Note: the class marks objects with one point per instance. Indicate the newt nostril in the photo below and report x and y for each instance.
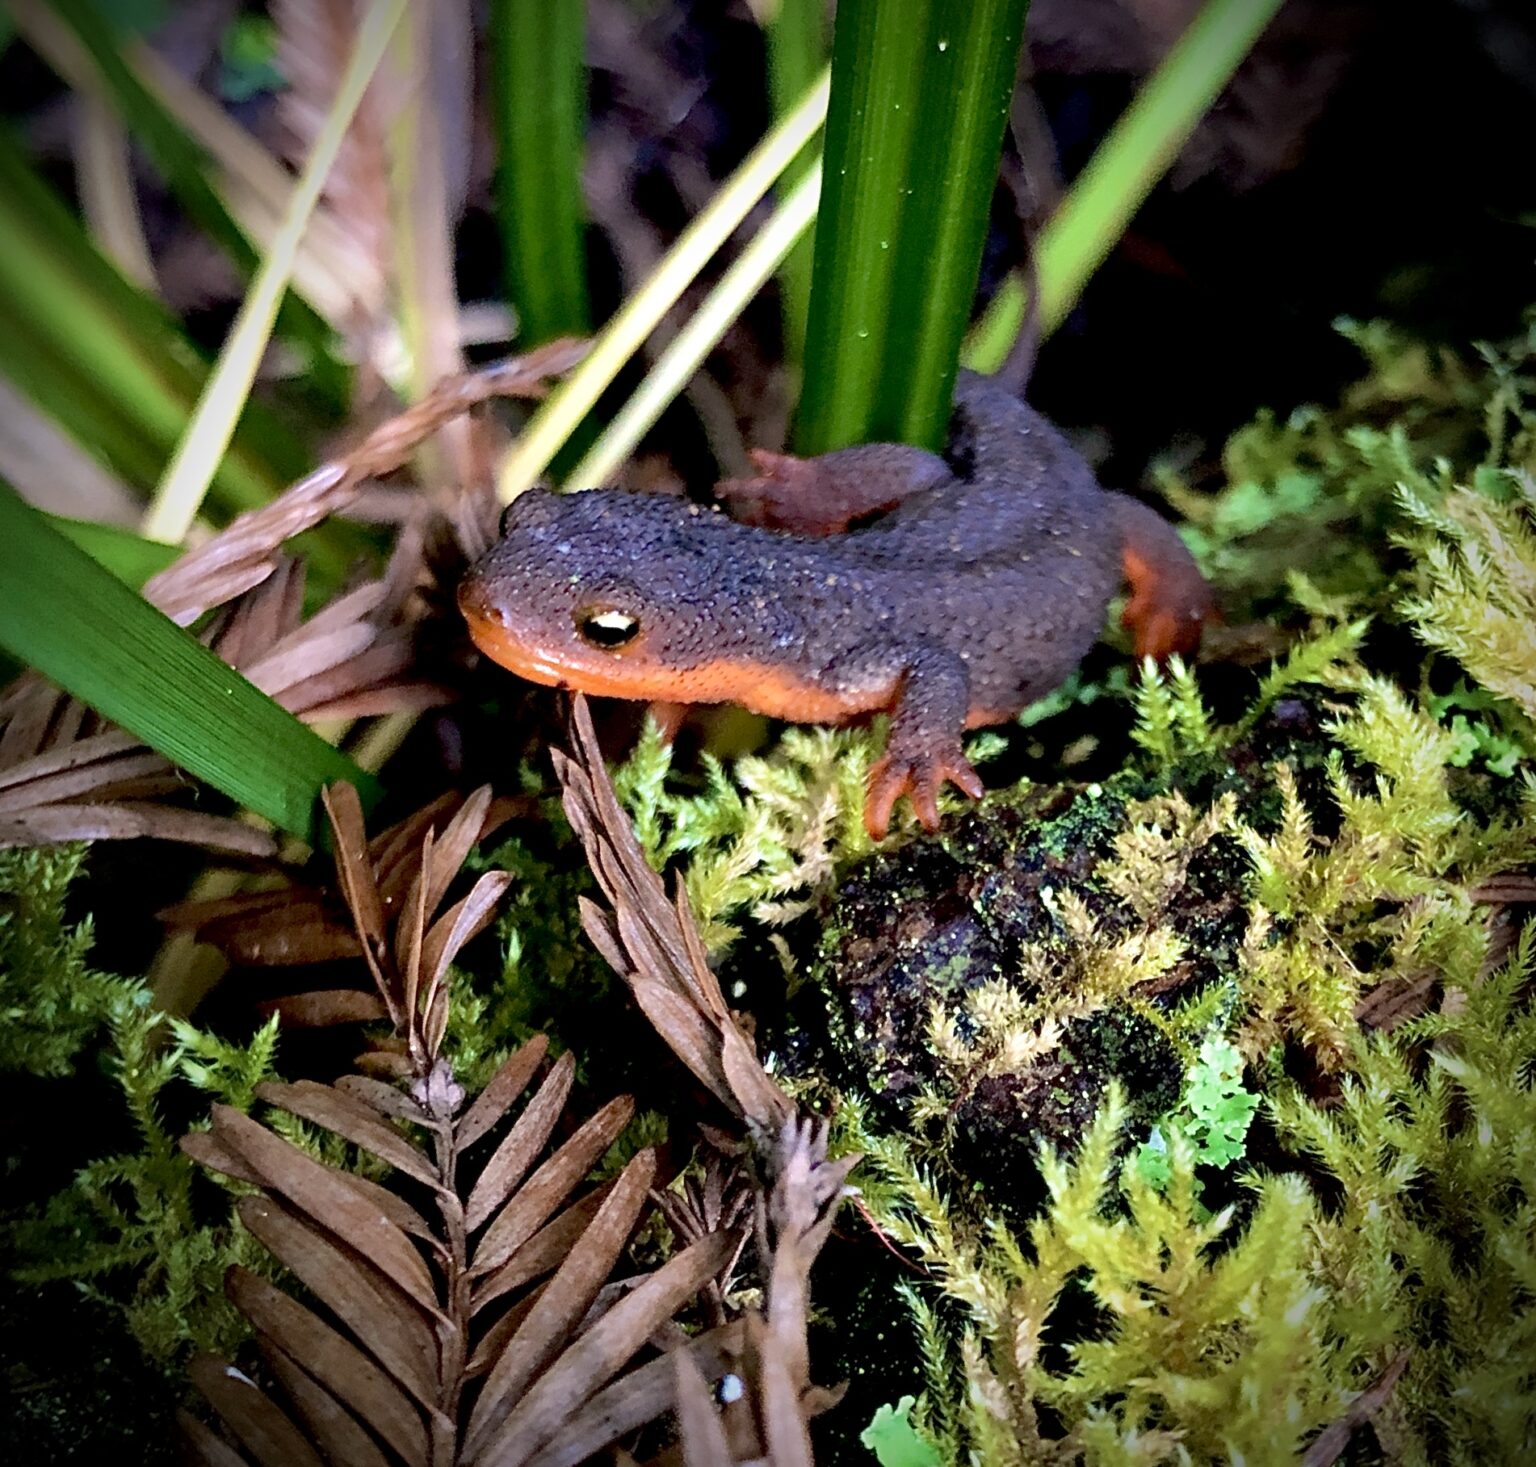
(476, 602)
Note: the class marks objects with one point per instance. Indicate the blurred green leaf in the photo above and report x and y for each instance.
(185, 168)
(1124, 170)
(133, 17)
(894, 1440)
(227, 391)
(115, 369)
(797, 54)
(131, 558)
(248, 59)
(539, 72)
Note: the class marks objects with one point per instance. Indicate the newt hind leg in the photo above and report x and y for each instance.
(1170, 602)
(832, 493)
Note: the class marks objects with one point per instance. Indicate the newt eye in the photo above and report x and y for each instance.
(606, 627)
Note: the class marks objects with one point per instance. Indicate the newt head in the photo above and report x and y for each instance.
(616, 594)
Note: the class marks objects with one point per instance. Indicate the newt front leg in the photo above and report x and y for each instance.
(923, 750)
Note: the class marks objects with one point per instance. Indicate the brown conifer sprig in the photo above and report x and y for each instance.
(653, 942)
(470, 1331)
(298, 924)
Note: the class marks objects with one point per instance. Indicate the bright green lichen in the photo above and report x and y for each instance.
(1212, 1117)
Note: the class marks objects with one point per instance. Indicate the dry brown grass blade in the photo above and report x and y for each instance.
(282, 935)
(69, 773)
(203, 1446)
(317, 1192)
(65, 776)
(799, 1214)
(461, 923)
(383, 1099)
(134, 821)
(332, 1428)
(409, 931)
(781, 1416)
(268, 1435)
(510, 1162)
(1509, 886)
(564, 1301)
(454, 843)
(542, 1253)
(361, 1299)
(505, 1086)
(542, 1194)
(495, 1339)
(314, 40)
(652, 942)
(354, 873)
(768, 1426)
(1330, 1445)
(207, 1150)
(323, 1008)
(350, 1373)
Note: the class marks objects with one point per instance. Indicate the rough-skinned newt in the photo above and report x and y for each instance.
(948, 591)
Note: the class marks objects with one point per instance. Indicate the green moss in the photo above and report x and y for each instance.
(51, 1000)
(1247, 887)
(138, 1231)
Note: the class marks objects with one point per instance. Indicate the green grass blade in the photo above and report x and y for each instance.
(540, 86)
(1129, 162)
(797, 55)
(112, 367)
(83, 629)
(685, 353)
(208, 435)
(131, 558)
(552, 426)
(920, 94)
(185, 168)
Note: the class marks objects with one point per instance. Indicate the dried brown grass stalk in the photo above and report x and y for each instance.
(314, 40)
(67, 775)
(767, 1421)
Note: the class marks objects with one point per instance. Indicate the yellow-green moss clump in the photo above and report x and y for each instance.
(1203, 1090)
